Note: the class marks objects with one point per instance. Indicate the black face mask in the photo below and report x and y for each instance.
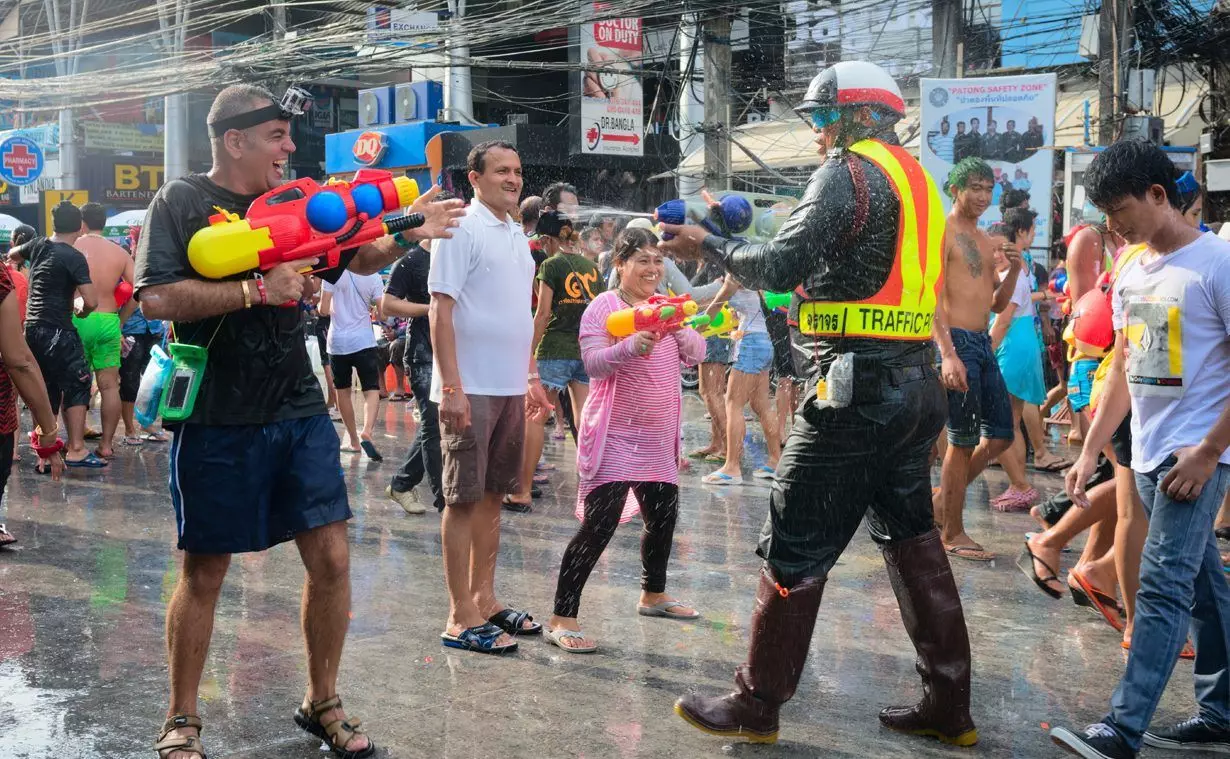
(851, 130)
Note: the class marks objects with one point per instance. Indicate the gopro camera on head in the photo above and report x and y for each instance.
(295, 102)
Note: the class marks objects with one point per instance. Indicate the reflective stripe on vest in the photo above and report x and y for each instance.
(905, 305)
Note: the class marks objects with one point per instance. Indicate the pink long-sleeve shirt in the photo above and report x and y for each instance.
(631, 421)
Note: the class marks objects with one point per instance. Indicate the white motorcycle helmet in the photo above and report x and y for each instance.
(851, 84)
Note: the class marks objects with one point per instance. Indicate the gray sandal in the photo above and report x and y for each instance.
(558, 635)
(663, 609)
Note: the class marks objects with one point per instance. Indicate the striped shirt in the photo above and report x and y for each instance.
(631, 422)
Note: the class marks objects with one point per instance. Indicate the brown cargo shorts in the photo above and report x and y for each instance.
(486, 456)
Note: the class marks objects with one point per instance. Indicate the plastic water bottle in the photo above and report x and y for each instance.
(836, 390)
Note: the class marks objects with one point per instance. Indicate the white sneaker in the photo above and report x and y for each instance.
(409, 500)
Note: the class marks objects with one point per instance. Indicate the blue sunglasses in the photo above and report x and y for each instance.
(822, 117)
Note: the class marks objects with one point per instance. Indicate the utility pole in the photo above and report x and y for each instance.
(66, 22)
(946, 37)
(1114, 38)
(716, 31)
(458, 95)
(172, 27)
(691, 107)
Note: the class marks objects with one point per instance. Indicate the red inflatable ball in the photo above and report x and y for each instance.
(123, 293)
(1093, 330)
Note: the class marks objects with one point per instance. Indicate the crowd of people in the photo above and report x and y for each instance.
(87, 337)
(497, 318)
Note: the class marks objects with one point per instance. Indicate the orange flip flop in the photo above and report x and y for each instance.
(1188, 652)
(1103, 603)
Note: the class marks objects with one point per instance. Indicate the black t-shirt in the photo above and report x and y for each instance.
(57, 269)
(408, 281)
(258, 370)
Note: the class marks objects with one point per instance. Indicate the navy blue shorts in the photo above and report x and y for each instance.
(985, 411)
(249, 487)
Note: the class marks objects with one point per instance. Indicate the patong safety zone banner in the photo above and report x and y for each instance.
(1006, 121)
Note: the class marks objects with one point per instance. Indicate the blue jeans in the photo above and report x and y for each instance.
(424, 457)
(556, 373)
(1181, 584)
(754, 353)
(985, 411)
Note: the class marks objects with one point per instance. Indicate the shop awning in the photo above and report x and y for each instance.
(785, 143)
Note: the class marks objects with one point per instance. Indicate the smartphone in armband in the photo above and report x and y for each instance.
(183, 384)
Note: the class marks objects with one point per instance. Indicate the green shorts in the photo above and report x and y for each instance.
(100, 335)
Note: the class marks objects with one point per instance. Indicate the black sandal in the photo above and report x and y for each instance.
(511, 621)
(338, 733)
(517, 507)
(1029, 571)
(190, 743)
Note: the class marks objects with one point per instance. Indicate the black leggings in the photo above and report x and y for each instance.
(603, 506)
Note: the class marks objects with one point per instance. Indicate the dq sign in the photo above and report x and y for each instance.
(369, 148)
(21, 161)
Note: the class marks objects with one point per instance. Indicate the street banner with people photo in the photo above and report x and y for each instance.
(612, 119)
(1005, 120)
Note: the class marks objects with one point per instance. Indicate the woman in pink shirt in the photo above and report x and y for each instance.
(628, 443)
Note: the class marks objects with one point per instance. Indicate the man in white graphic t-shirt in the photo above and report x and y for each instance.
(1172, 360)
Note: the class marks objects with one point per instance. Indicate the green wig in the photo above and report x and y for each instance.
(967, 169)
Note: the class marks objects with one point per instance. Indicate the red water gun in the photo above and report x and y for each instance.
(304, 219)
(659, 315)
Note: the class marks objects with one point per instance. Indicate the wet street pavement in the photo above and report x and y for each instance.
(83, 595)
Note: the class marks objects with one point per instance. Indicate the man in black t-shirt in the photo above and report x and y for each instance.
(58, 275)
(407, 296)
(256, 462)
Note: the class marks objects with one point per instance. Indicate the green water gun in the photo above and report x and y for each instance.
(718, 325)
(777, 300)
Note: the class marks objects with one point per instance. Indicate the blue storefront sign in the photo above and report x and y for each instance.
(21, 161)
(395, 146)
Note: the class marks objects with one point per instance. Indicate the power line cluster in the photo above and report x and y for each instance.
(334, 43)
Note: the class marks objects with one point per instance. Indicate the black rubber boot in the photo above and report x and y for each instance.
(780, 637)
(931, 611)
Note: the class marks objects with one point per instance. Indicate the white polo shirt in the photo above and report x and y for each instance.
(487, 268)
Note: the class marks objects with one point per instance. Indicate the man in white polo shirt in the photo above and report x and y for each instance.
(481, 329)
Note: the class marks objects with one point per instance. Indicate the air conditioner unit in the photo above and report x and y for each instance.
(516, 118)
(1150, 128)
(405, 104)
(376, 106)
(1217, 175)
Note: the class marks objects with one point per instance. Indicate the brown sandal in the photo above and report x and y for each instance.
(190, 743)
(338, 733)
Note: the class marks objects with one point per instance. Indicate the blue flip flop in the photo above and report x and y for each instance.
(480, 639)
(91, 461)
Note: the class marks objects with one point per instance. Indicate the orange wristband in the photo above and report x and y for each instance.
(447, 390)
